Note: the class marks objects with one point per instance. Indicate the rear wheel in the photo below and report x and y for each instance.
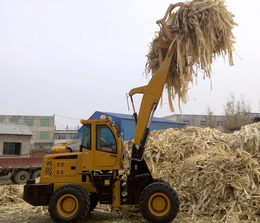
(21, 177)
(70, 203)
(158, 202)
(36, 174)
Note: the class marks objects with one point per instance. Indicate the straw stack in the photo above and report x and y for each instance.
(215, 174)
(11, 194)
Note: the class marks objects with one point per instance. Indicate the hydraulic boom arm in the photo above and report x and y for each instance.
(153, 91)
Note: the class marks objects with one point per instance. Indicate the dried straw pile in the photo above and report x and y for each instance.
(11, 194)
(212, 172)
(12, 206)
(202, 31)
(248, 138)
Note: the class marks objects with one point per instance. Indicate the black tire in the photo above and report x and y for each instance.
(36, 174)
(21, 177)
(158, 202)
(69, 203)
(93, 201)
(159, 180)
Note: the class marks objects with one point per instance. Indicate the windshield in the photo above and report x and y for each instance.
(86, 142)
(106, 141)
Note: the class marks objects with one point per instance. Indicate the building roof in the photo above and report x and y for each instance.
(14, 128)
(254, 113)
(130, 117)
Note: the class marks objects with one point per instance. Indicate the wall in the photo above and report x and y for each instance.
(36, 128)
(197, 120)
(127, 126)
(25, 140)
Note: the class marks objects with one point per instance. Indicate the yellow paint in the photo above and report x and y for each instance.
(60, 149)
(159, 204)
(67, 205)
(60, 172)
(153, 91)
(116, 192)
(63, 168)
(107, 182)
(101, 160)
(151, 94)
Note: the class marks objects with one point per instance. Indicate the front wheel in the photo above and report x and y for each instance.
(70, 203)
(158, 202)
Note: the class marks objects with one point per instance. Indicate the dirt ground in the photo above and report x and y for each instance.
(99, 215)
(25, 213)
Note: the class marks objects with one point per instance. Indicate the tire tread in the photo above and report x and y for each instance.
(144, 197)
(83, 213)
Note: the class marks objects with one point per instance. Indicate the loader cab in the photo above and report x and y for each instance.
(101, 147)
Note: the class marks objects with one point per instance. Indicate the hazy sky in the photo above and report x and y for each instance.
(72, 58)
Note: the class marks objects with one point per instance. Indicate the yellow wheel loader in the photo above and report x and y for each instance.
(72, 183)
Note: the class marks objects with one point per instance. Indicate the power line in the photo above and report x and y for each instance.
(67, 117)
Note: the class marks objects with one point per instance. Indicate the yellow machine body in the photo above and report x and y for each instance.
(63, 168)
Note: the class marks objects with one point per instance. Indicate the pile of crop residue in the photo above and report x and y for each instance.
(202, 30)
(10, 194)
(13, 207)
(213, 173)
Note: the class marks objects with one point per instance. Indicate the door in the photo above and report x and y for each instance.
(106, 147)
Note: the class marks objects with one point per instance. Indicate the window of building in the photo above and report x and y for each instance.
(28, 122)
(12, 148)
(45, 122)
(202, 123)
(66, 135)
(219, 123)
(62, 136)
(1, 120)
(44, 135)
(13, 119)
(105, 140)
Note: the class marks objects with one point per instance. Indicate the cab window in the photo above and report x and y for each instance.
(105, 140)
(86, 142)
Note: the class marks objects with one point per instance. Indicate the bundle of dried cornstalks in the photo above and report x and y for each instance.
(202, 30)
(215, 174)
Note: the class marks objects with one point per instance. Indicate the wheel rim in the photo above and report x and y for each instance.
(67, 205)
(23, 178)
(159, 204)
